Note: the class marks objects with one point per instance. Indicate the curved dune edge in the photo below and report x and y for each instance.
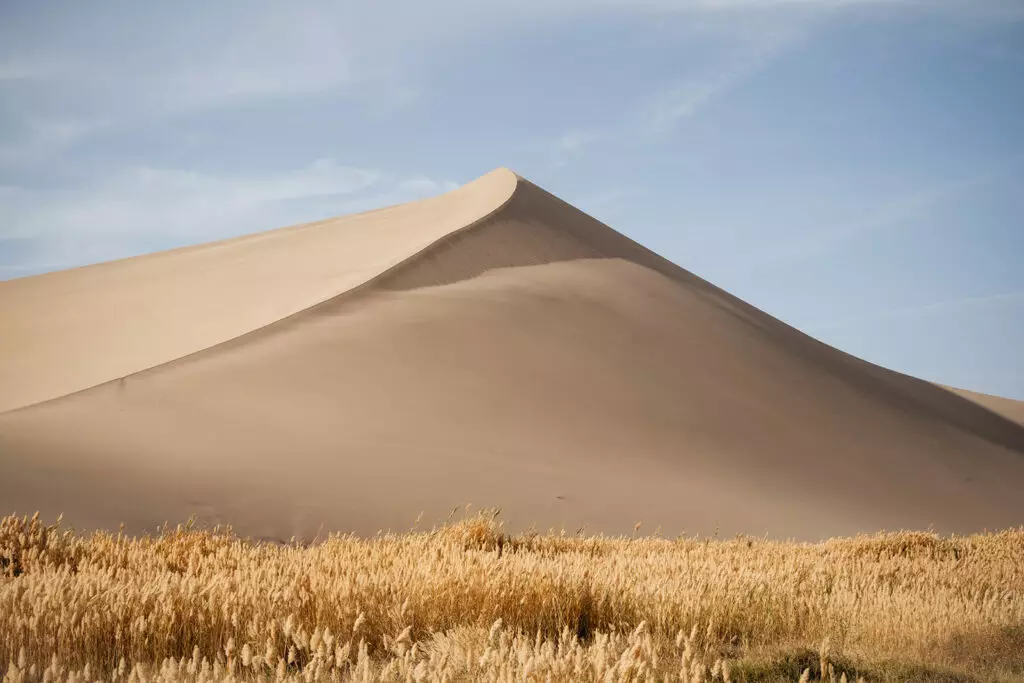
(505, 234)
(49, 351)
(1006, 407)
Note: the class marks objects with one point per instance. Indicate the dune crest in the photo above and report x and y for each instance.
(74, 329)
(494, 346)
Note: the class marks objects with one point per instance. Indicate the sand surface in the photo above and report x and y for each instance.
(492, 346)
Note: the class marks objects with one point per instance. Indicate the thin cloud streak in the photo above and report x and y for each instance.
(892, 214)
(686, 99)
(171, 207)
(659, 114)
(956, 304)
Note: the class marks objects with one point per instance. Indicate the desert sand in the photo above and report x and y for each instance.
(492, 346)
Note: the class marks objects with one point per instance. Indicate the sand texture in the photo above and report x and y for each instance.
(493, 346)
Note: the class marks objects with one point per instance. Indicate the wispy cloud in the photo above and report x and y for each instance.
(944, 307)
(286, 52)
(274, 52)
(574, 142)
(64, 90)
(662, 111)
(172, 200)
(682, 100)
(41, 139)
(142, 208)
(892, 214)
(756, 41)
(257, 55)
(747, 51)
(783, 26)
(576, 139)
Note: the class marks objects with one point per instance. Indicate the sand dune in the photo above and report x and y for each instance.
(68, 331)
(493, 346)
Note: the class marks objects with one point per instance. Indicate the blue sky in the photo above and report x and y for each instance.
(853, 167)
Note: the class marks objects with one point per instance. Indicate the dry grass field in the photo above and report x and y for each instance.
(465, 601)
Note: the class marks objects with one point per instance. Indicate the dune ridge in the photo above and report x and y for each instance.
(74, 329)
(503, 349)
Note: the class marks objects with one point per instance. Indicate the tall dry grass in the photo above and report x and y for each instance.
(466, 602)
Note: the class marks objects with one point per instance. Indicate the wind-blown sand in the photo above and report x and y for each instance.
(493, 346)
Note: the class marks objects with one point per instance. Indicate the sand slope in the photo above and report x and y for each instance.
(1008, 408)
(74, 329)
(493, 346)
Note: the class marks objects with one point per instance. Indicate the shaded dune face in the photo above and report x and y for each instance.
(517, 353)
